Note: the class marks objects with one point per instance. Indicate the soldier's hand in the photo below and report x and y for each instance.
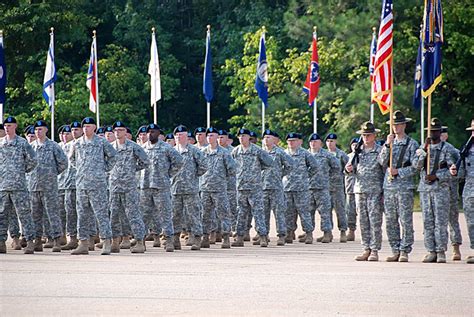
(418, 152)
(452, 170)
(349, 167)
(427, 143)
(390, 138)
(431, 178)
(393, 171)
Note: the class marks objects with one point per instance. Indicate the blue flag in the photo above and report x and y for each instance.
(261, 81)
(417, 93)
(49, 75)
(432, 41)
(207, 87)
(3, 72)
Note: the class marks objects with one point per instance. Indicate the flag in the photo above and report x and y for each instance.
(373, 52)
(261, 80)
(417, 92)
(154, 72)
(49, 75)
(311, 86)
(432, 36)
(382, 89)
(3, 72)
(207, 77)
(92, 81)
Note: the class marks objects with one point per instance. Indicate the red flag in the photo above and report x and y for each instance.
(311, 86)
(92, 81)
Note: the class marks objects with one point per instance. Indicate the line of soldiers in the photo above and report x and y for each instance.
(98, 182)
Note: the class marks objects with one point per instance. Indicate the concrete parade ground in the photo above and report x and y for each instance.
(297, 279)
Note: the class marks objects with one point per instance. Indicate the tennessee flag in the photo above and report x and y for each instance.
(311, 85)
(92, 81)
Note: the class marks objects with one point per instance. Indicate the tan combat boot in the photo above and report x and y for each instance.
(247, 235)
(351, 235)
(393, 258)
(38, 245)
(327, 237)
(23, 242)
(189, 241)
(281, 241)
(196, 244)
(219, 237)
(3, 247)
(156, 241)
(263, 241)
(92, 244)
(343, 237)
(212, 238)
(30, 247)
(49, 243)
(62, 240)
(115, 247)
(56, 245)
(83, 248)
(96, 238)
(169, 243)
(133, 242)
(106, 249)
(205, 243)
(139, 247)
(302, 238)
(441, 257)
(309, 238)
(16, 244)
(403, 257)
(456, 253)
(239, 242)
(374, 256)
(71, 245)
(176, 241)
(470, 259)
(256, 242)
(364, 256)
(256, 237)
(125, 244)
(225, 241)
(430, 258)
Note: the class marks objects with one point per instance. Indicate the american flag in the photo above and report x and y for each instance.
(373, 51)
(382, 89)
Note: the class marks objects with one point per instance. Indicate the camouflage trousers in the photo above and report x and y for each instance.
(124, 209)
(232, 197)
(215, 206)
(157, 208)
(297, 205)
(453, 219)
(92, 211)
(148, 217)
(369, 208)
(337, 204)
(274, 199)
(399, 212)
(62, 209)
(320, 200)
(18, 201)
(351, 211)
(468, 204)
(435, 209)
(13, 224)
(46, 203)
(250, 203)
(67, 204)
(187, 214)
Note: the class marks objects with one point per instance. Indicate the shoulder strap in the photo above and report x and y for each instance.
(436, 161)
(402, 153)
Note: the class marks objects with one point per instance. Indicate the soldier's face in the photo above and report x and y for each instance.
(171, 142)
(181, 138)
(153, 135)
(40, 132)
(120, 133)
(353, 146)
(444, 136)
(331, 144)
(399, 128)
(30, 138)
(253, 140)
(369, 138)
(244, 139)
(66, 137)
(201, 137)
(89, 129)
(222, 140)
(212, 138)
(268, 140)
(315, 144)
(109, 136)
(10, 128)
(435, 135)
(143, 137)
(191, 140)
(293, 144)
(76, 133)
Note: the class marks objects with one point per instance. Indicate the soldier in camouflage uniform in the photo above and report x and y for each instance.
(201, 138)
(296, 187)
(187, 207)
(466, 171)
(213, 185)
(398, 188)
(327, 164)
(92, 157)
(251, 161)
(453, 220)
(349, 180)
(43, 185)
(434, 193)
(273, 194)
(336, 186)
(18, 158)
(368, 172)
(155, 196)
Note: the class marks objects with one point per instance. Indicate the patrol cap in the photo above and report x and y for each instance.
(331, 136)
(190, 134)
(199, 130)
(243, 131)
(314, 137)
(211, 130)
(253, 134)
(75, 124)
(10, 119)
(66, 129)
(222, 132)
(118, 124)
(270, 132)
(40, 123)
(29, 130)
(294, 135)
(169, 136)
(109, 129)
(100, 130)
(180, 128)
(153, 126)
(87, 120)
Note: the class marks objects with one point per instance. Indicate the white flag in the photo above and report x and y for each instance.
(49, 75)
(154, 72)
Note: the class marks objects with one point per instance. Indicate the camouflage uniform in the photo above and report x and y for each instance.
(466, 171)
(296, 187)
(124, 198)
(368, 196)
(336, 189)
(453, 219)
(18, 158)
(92, 160)
(351, 212)
(250, 163)
(155, 197)
(67, 198)
(232, 194)
(220, 166)
(320, 199)
(434, 198)
(273, 194)
(398, 194)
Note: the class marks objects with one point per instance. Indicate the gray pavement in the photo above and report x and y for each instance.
(298, 279)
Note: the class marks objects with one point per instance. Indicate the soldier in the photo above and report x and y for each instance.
(466, 171)
(398, 188)
(191, 139)
(453, 219)
(128, 135)
(251, 161)
(214, 188)
(109, 134)
(253, 137)
(336, 186)
(434, 193)
(170, 139)
(369, 174)
(92, 157)
(124, 199)
(273, 195)
(43, 186)
(351, 212)
(201, 138)
(155, 197)
(141, 136)
(100, 132)
(320, 199)
(296, 187)
(18, 158)
(30, 134)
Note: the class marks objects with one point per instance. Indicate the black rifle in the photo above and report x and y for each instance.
(464, 152)
(357, 151)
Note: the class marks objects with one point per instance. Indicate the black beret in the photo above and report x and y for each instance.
(87, 120)
(29, 130)
(66, 128)
(293, 135)
(314, 137)
(75, 124)
(243, 131)
(142, 129)
(169, 136)
(354, 140)
(180, 128)
(10, 119)
(199, 130)
(230, 136)
(253, 134)
(190, 134)
(211, 130)
(331, 136)
(270, 132)
(118, 124)
(109, 129)
(40, 123)
(129, 131)
(153, 126)
(100, 130)
(222, 132)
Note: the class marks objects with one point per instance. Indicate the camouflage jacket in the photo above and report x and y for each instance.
(442, 169)
(220, 166)
(67, 179)
(368, 172)
(304, 165)
(466, 171)
(327, 164)
(282, 165)
(231, 180)
(250, 164)
(336, 176)
(186, 181)
(17, 158)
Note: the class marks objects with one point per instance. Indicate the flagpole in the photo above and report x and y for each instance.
(1, 104)
(208, 103)
(429, 135)
(371, 112)
(155, 110)
(422, 109)
(374, 29)
(51, 88)
(315, 116)
(94, 38)
(391, 112)
(263, 104)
